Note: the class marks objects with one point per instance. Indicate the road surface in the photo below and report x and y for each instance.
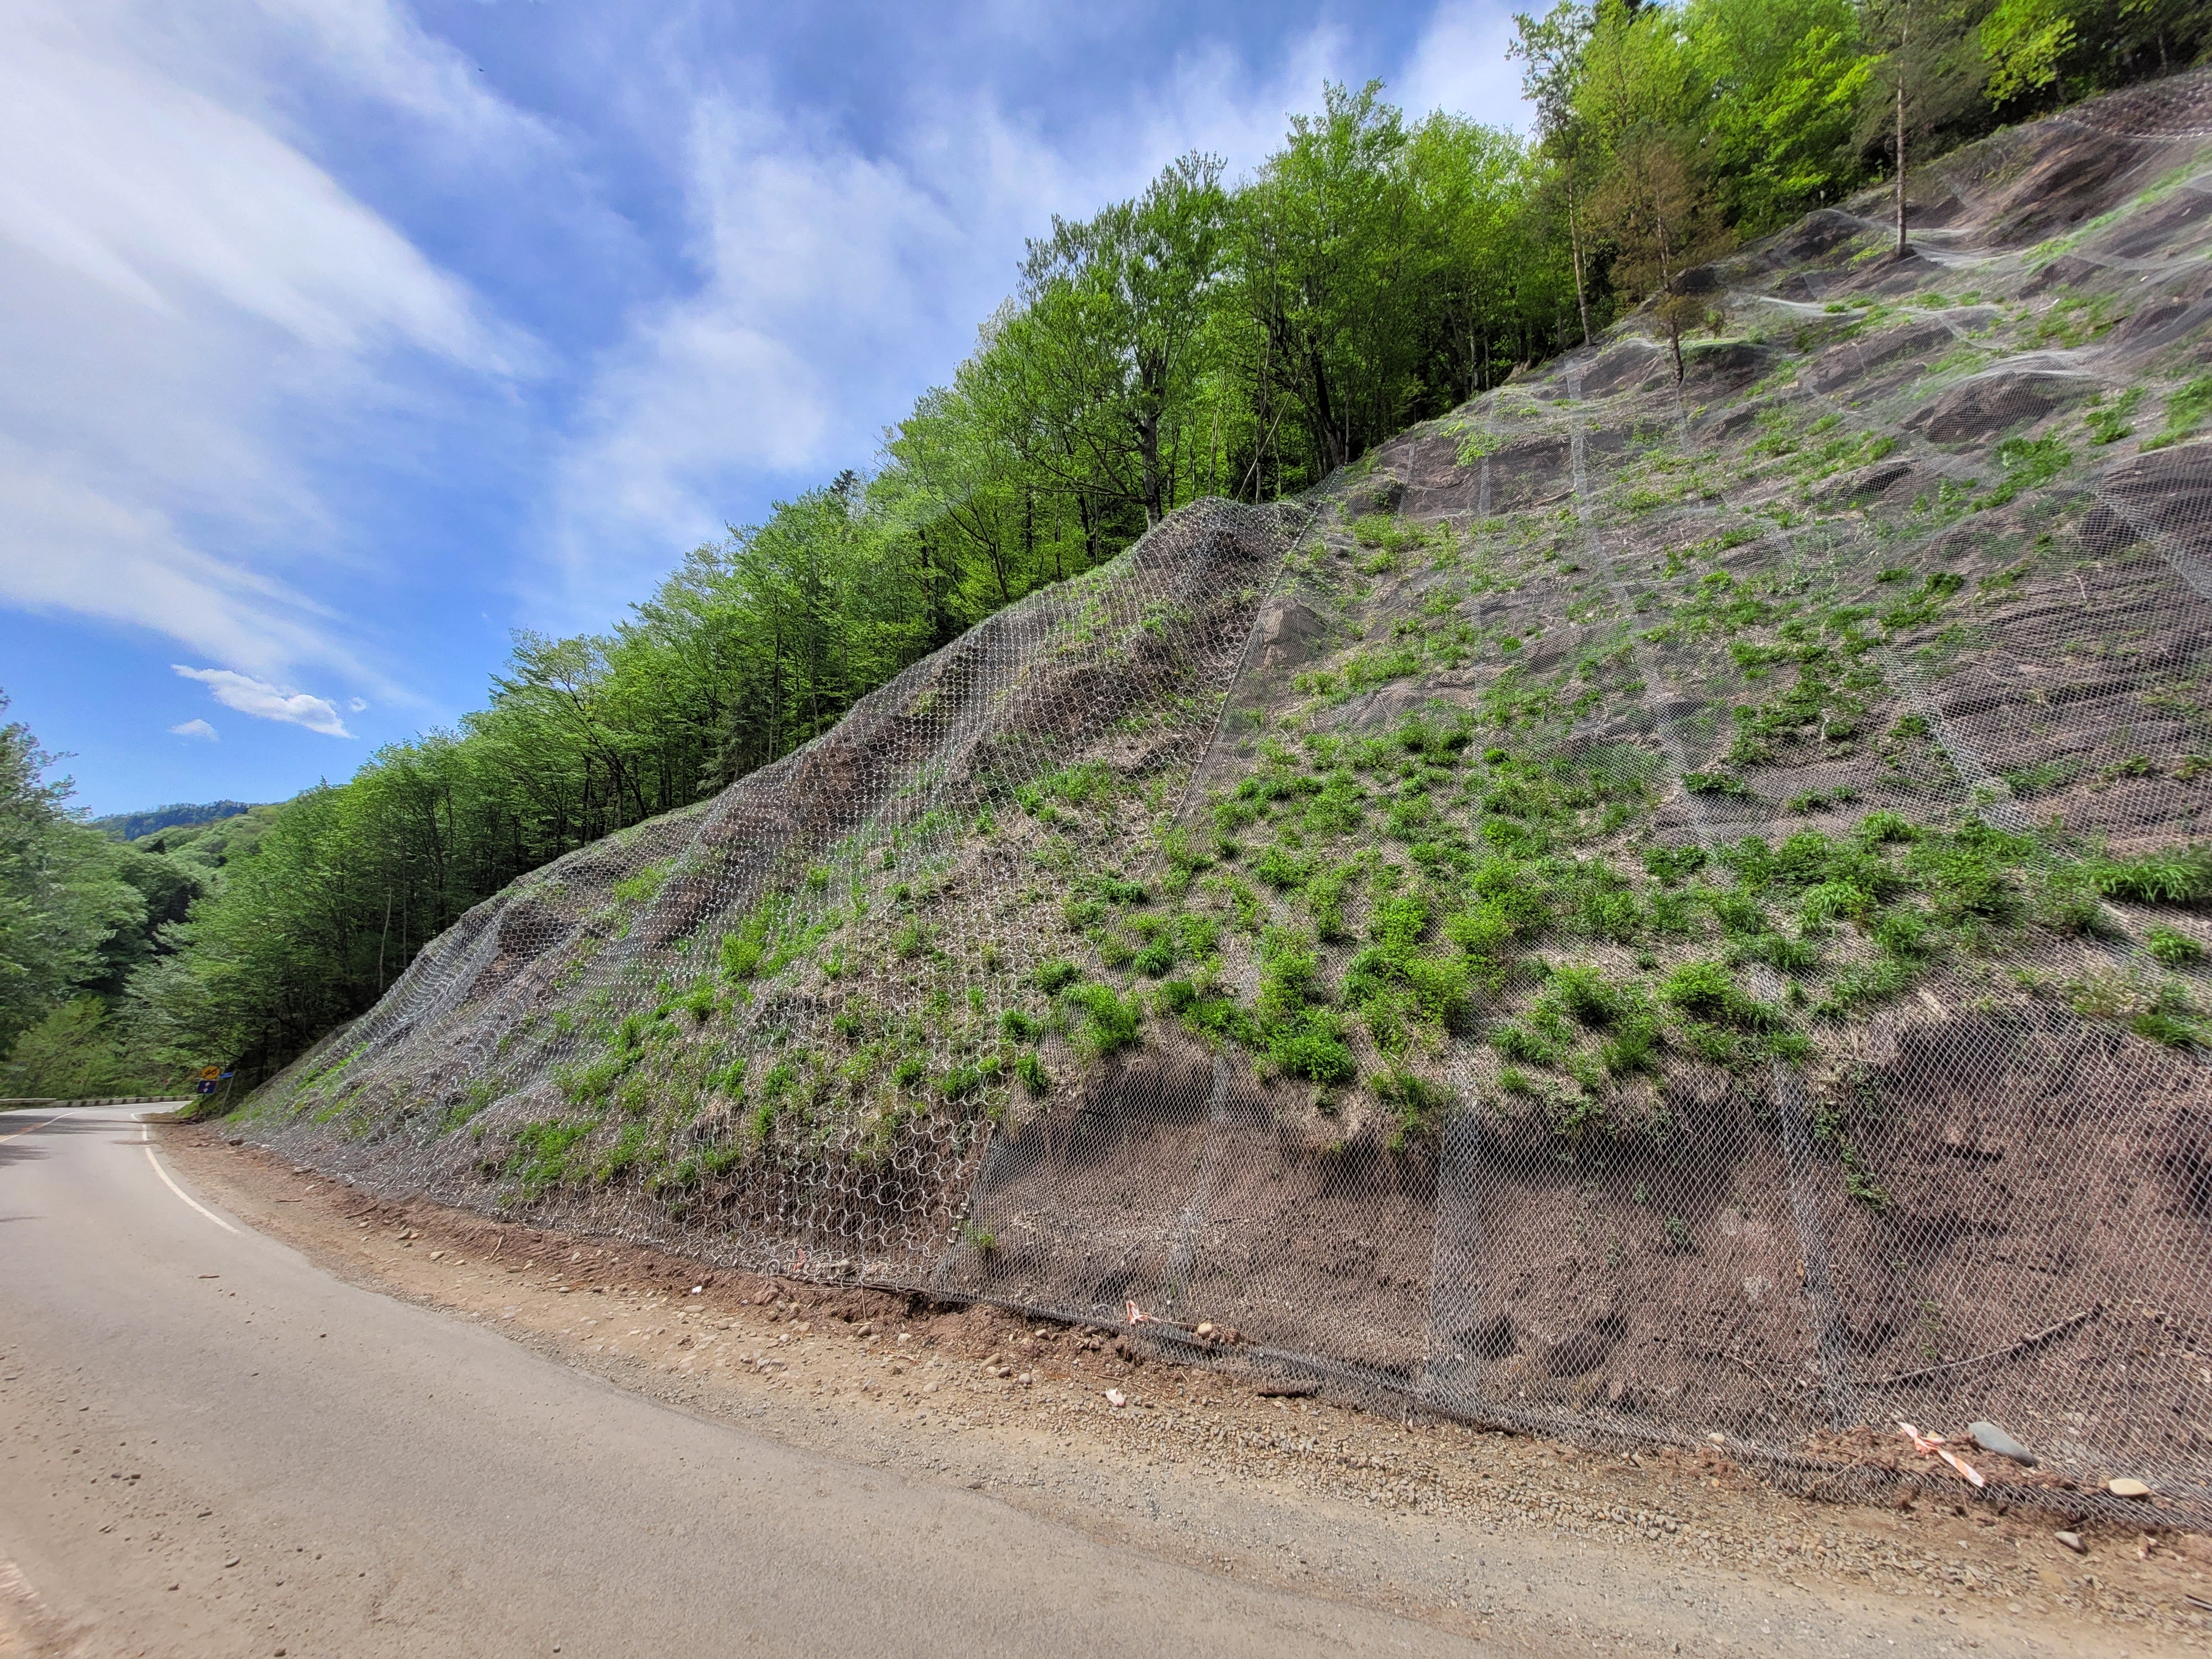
(210, 1446)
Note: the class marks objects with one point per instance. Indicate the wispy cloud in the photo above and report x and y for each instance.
(269, 702)
(830, 283)
(197, 728)
(1460, 65)
(192, 296)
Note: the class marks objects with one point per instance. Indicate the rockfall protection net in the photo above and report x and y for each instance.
(1645, 909)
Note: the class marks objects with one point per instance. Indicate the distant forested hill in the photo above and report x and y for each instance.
(130, 826)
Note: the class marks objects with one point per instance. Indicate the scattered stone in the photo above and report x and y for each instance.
(2126, 1486)
(1204, 1328)
(1288, 1388)
(1116, 1399)
(2073, 1541)
(1991, 1438)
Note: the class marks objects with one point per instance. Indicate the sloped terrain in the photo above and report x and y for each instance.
(1657, 908)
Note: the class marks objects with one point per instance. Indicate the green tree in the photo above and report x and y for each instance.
(1929, 72)
(63, 898)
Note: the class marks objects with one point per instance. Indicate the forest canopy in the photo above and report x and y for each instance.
(1237, 338)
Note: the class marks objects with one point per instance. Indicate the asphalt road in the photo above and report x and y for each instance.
(210, 1446)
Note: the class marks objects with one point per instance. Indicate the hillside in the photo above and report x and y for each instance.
(1650, 908)
(131, 826)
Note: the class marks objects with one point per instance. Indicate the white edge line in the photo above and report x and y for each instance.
(146, 1136)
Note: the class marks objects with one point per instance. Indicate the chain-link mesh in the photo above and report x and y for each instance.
(1638, 911)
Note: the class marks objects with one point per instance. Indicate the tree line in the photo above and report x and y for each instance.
(1208, 336)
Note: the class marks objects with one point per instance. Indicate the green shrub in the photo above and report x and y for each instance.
(1876, 827)
(1829, 900)
(2163, 1027)
(1019, 1027)
(1669, 865)
(1157, 958)
(1073, 786)
(1055, 975)
(1583, 993)
(2180, 875)
(1632, 1047)
(1311, 1046)
(1717, 783)
(541, 1155)
(2175, 950)
(1517, 1039)
(1707, 991)
(1109, 1024)
(2185, 410)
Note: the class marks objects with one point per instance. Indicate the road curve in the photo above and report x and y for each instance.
(209, 1446)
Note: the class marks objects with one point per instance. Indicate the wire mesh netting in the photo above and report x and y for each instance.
(1649, 907)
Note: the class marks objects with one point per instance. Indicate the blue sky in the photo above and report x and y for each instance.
(346, 337)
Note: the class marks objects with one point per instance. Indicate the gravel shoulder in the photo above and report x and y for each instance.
(1537, 1546)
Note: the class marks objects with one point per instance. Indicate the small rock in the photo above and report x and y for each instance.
(232, 1562)
(1991, 1438)
(697, 1289)
(1116, 1399)
(437, 1254)
(1205, 1328)
(2073, 1541)
(2127, 1486)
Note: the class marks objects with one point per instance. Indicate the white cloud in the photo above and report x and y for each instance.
(269, 702)
(71, 545)
(831, 285)
(813, 264)
(194, 304)
(357, 704)
(196, 729)
(1459, 65)
(147, 186)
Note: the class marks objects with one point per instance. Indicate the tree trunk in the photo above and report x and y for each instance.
(1903, 248)
(1148, 443)
(1575, 247)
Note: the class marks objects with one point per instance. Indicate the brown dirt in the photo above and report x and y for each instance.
(1199, 1466)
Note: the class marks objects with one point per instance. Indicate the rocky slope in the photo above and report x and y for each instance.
(1657, 909)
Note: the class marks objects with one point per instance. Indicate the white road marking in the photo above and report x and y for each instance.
(40, 1124)
(146, 1133)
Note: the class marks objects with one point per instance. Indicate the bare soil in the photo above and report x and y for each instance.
(1494, 1535)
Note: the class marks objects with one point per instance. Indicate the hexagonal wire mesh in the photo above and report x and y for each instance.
(973, 995)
